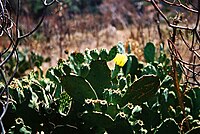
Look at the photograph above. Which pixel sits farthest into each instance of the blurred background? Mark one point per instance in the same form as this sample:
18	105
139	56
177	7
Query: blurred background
74	25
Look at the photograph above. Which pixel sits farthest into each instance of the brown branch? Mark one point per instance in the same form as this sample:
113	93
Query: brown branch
175	79
175	26
166	20
179	4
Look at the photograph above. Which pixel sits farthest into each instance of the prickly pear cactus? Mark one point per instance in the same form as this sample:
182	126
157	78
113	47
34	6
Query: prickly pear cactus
104	54
142	89
99	76
112	53
131	66
94	54
98	119
78	88
168	126
149	52
84	95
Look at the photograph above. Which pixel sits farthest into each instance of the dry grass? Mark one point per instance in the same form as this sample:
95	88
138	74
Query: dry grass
59	33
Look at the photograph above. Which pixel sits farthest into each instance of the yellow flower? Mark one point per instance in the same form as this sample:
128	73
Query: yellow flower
120	59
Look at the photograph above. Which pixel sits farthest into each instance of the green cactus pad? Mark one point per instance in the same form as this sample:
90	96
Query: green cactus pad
149	52
79	58
66	69
142	90
112	53
121	125
149	69
99	76
169	126
131	65
78	88
194	94
104	54
195	130
94	54
98	119
84	70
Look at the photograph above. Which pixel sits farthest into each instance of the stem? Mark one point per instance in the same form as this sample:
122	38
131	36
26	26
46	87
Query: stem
175	78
